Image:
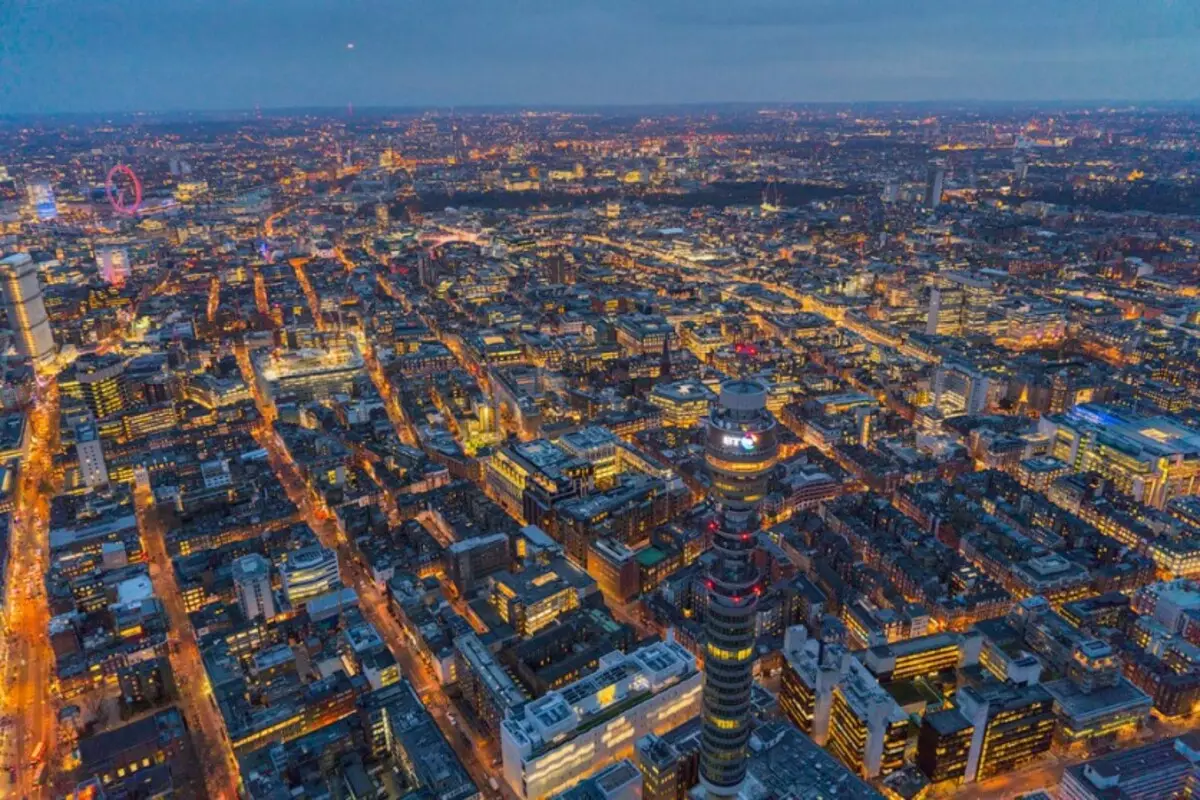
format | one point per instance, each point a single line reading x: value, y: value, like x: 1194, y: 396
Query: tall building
x: 1020, y: 168
x: 960, y: 388
x: 935, y: 178
x: 1011, y: 726
x: 427, y: 270
x: 867, y: 727
x: 252, y: 582
x: 559, y: 270
x: 99, y: 381
x: 741, y: 448
x: 39, y: 194
x: 383, y: 217
x: 811, y: 670
x: 533, y: 598
x: 22, y: 293
x: 944, y: 746
x: 113, y: 264
x: 958, y: 305
x: 1094, y: 701
x: 996, y: 728
x: 684, y: 404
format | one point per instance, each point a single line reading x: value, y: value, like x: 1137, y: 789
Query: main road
x: 196, y: 699
x: 29, y: 667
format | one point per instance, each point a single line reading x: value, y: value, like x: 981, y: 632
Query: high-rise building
x: 559, y: 270
x: 427, y: 270
x: 1011, y: 725
x: 39, y: 194
x: 532, y: 599
x: 867, y: 727
x: 741, y: 448
x: 1094, y: 701
x: 811, y: 670
x: 958, y: 305
x: 252, y: 581
x: 944, y: 746
x: 26, y: 312
x: 99, y: 381
x: 383, y: 217
x: 113, y: 264
x: 1020, y: 168
x: 960, y: 389
x: 684, y: 403
x: 891, y: 191
x: 935, y: 178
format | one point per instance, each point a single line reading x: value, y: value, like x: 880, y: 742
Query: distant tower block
x: 1020, y: 168
x: 113, y: 264
x: 935, y: 179
x: 22, y: 294
x: 40, y: 196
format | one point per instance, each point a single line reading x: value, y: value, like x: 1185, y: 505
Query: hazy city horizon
x: 355, y: 110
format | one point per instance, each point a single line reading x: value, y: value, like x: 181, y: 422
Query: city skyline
x: 65, y: 56
x: 572, y: 401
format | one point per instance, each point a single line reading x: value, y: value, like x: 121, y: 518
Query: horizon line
x: 1096, y: 103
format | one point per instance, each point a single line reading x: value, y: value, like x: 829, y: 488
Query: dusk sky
x: 114, y: 55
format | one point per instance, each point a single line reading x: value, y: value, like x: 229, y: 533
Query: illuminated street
x: 29, y: 666
x: 375, y: 608
x: 208, y: 729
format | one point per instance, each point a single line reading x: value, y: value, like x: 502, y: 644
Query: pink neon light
x: 117, y: 196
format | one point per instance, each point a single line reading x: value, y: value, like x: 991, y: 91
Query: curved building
x: 741, y: 447
x: 309, y: 572
x: 22, y: 293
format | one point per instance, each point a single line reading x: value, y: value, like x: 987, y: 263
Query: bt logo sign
x: 746, y: 442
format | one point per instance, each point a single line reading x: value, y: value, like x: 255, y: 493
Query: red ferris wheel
x: 124, y: 190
